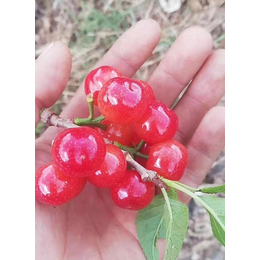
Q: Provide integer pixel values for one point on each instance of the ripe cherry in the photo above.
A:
(151, 96)
(169, 159)
(132, 192)
(97, 78)
(159, 123)
(123, 100)
(122, 134)
(54, 188)
(78, 151)
(111, 170)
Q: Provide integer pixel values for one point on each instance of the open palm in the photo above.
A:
(91, 226)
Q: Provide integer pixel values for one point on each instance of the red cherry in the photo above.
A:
(159, 123)
(123, 100)
(97, 78)
(132, 192)
(78, 151)
(150, 92)
(111, 170)
(120, 133)
(169, 159)
(54, 188)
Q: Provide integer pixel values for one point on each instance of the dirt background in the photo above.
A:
(90, 28)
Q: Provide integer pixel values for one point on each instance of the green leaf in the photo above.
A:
(176, 219)
(163, 218)
(217, 216)
(216, 189)
(149, 221)
(214, 206)
(162, 232)
(172, 194)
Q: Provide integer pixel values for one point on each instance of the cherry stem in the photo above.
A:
(88, 121)
(133, 151)
(90, 101)
(140, 145)
(142, 155)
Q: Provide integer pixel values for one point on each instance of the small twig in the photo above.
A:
(49, 117)
(146, 175)
(181, 95)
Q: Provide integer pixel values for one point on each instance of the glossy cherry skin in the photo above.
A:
(131, 192)
(150, 92)
(54, 188)
(96, 79)
(159, 123)
(123, 100)
(122, 134)
(78, 151)
(169, 159)
(112, 170)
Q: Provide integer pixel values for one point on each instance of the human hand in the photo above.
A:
(91, 226)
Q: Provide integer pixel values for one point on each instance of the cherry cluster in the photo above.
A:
(131, 115)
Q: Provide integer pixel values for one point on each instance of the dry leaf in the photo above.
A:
(170, 6)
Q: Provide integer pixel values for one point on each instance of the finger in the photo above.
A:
(204, 148)
(180, 64)
(205, 91)
(52, 72)
(127, 55)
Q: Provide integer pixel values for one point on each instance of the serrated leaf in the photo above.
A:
(217, 216)
(176, 219)
(212, 190)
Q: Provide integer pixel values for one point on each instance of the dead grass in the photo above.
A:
(91, 27)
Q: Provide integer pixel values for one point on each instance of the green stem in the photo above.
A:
(140, 145)
(98, 119)
(175, 185)
(142, 155)
(165, 195)
(90, 101)
(131, 150)
(187, 187)
(88, 121)
(125, 148)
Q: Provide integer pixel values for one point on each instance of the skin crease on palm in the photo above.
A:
(91, 226)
